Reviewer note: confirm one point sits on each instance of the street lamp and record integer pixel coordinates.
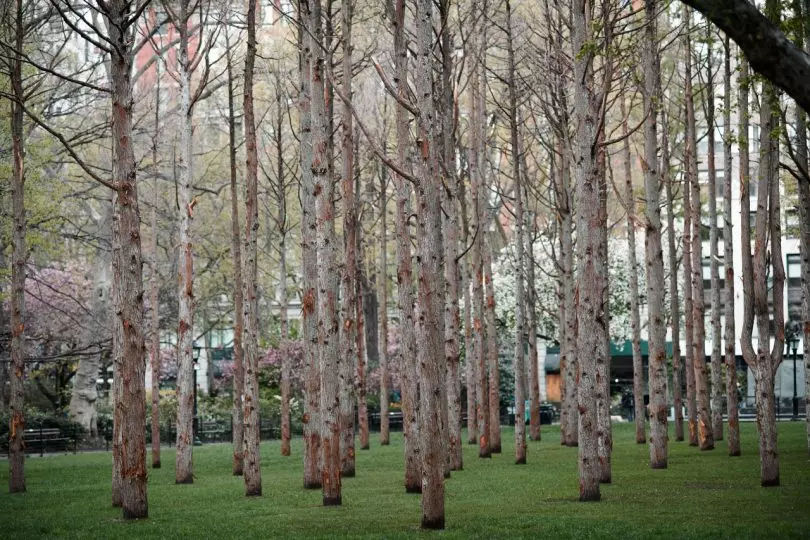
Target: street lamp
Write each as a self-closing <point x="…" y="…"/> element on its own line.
<point x="195" y="355"/>
<point x="792" y="342"/>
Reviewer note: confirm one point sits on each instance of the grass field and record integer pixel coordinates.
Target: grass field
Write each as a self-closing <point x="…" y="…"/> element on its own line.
<point x="700" y="495"/>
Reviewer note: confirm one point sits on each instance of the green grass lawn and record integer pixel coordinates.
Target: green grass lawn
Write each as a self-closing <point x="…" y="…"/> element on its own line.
<point x="701" y="495"/>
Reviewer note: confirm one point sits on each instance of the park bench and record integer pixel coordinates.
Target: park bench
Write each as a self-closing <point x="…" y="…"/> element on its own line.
<point x="47" y="440"/>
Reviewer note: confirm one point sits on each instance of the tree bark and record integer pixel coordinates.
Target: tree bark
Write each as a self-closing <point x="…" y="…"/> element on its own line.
<point x="714" y="269"/>
<point x="237" y="413"/>
<point x="251" y="457"/>
<point x="348" y="369"/>
<point x="405" y="287"/>
<point x="382" y="273"/>
<point x="640" y="409"/>
<point x="311" y="419"/>
<point x="19" y="255"/>
<point x="591" y="319"/>
<point x="429" y="323"/>
<point x="154" y="288"/>
<point x="653" y="250"/>
<point x="672" y="254"/>
<point x="328" y="274"/>
<point x="732" y="401"/>
<point x="478" y="200"/>
<point x="281" y="203"/>
<point x="704" y="428"/>
<point x="534" y="369"/>
<point x="450" y="230"/>
<point x="520" y="307"/>
<point x="184" y="469"/>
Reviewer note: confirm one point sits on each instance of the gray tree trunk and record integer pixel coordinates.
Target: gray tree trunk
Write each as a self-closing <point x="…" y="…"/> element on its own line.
<point x="311" y="417"/>
<point x="281" y="220"/>
<point x="653" y="250"/>
<point x="252" y="458"/>
<point x="714" y="269"/>
<point x="382" y="282"/>
<point x="429" y="323"/>
<point x="348" y="340"/>
<point x="19" y="255"/>
<point x="732" y="400"/>
<point x="592" y="321"/>
<point x="640" y="410"/>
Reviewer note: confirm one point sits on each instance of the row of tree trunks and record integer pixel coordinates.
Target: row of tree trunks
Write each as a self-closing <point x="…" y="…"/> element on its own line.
<point x="251" y="456"/>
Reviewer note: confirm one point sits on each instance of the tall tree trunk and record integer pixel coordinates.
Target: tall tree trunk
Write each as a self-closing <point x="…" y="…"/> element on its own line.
<point x="184" y="468"/>
<point x="382" y="283"/>
<point x="405" y="288"/>
<point x="520" y="223"/>
<point x="450" y="230"/>
<point x="252" y="458"/>
<point x="714" y="269"/>
<point x="328" y="274"/>
<point x="154" y="287"/>
<point x="348" y="355"/>
<point x="361" y="362"/>
<point x="429" y="323"/>
<point x="569" y="433"/>
<point x="237" y="414"/>
<point x="469" y="342"/>
<point x="675" y="307"/>
<point x="312" y="417"/>
<point x="130" y="353"/>
<point x="281" y="220"/>
<point x="654" y="256"/>
<point x="691" y="402"/>
<point x="728" y="265"/>
<point x="536" y="372"/>
<point x="639" y="411"/>
<point x="591" y="319"/>
<point x="478" y="200"/>
<point x="19" y="255"/>
<point x="704" y="428"/>
<point x="604" y="428"/>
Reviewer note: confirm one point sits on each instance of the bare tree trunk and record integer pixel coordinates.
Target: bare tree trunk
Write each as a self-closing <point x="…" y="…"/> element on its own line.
<point x="469" y="342"/>
<point x="728" y="264"/>
<point x="237" y="413"/>
<point x="450" y="230"/>
<point x="704" y="428"/>
<point x="382" y="282"/>
<point x="328" y="274"/>
<point x="281" y="198"/>
<point x="347" y="369"/>
<point x="604" y="428"/>
<point x="714" y="269"/>
<point x="639" y="411"/>
<point x="405" y="288"/>
<point x="311" y="419"/>
<point x="252" y="458"/>
<point x="520" y="224"/>
<point x="591" y="320"/>
<point x="130" y="353"/>
<point x="672" y="254"/>
<point x="429" y="324"/>
<point x="534" y="369"/>
<point x="478" y="200"/>
<point x="691" y="402"/>
<point x="154" y="287"/>
<point x="654" y="257"/>
<point x="491" y="343"/>
<point x="19" y="255"/>
<point x="362" y="361"/>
